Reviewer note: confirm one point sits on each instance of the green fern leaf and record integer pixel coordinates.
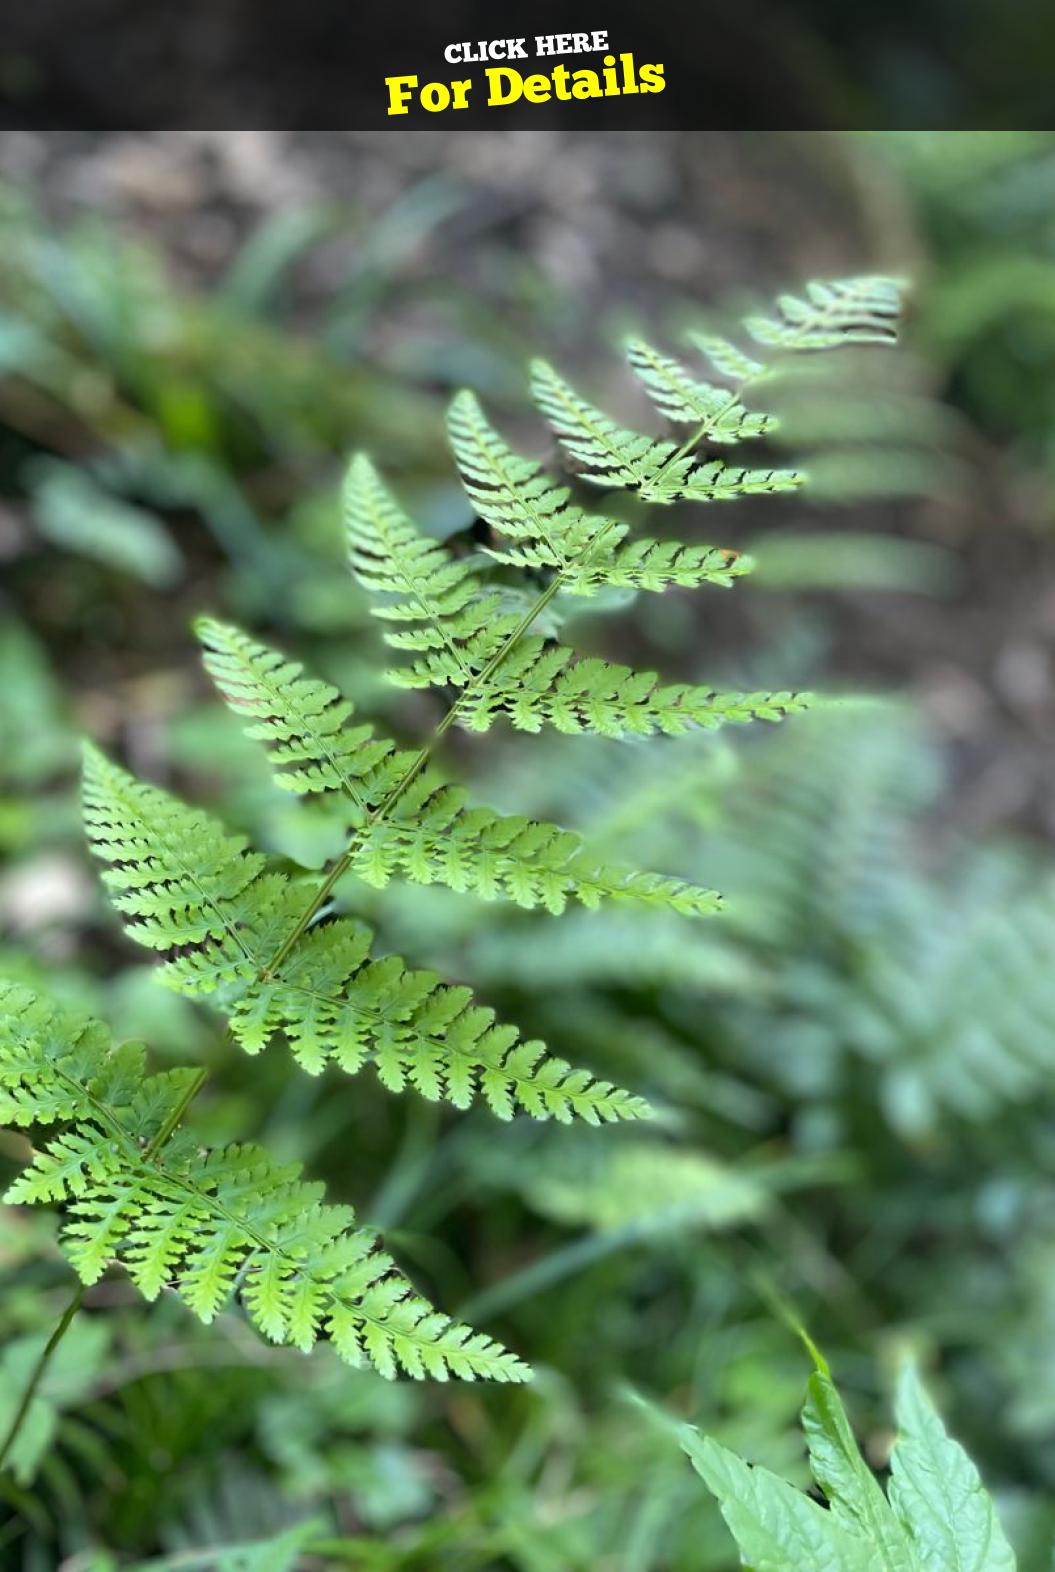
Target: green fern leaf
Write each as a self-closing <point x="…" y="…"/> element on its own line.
<point x="445" y="611"/>
<point x="215" y="1224"/>
<point x="613" y="456"/>
<point x="547" y="530"/>
<point x="658" y="564"/>
<point x="228" y="915"/>
<point x="842" y="311"/>
<point x="303" y="720"/>
<point x="431" y="834"/>
<point x="541" y="685"/>
<point x="727" y="359"/>
<point x="680" y="397"/>
<point x="534" y="683"/>
<point x="518" y="499"/>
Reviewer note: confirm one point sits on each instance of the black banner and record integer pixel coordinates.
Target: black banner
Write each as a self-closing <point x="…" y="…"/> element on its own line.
<point x="576" y="64"/>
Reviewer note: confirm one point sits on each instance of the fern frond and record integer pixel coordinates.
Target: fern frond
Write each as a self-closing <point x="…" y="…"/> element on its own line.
<point x="679" y="397"/>
<point x="614" y="456"/>
<point x="545" y="685"/>
<point x="208" y="1225"/>
<point x="303" y="721"/>
<point x="658" y="564"/>
<point x="728" y="359"/>
<point x="546" y="529"/>
<point x="432" y="833"/>
<point x="842" y="311"/>
<point x="515" y="496"/>
<point x="332" y="1001"/>
<point x="445" y="611"/>
<point x="183" y="884"/>
<point x="938" y="981"/>
<point x="533" y="683"/>
<point x="226" y="914"/>
<point x="957" y="1009"/>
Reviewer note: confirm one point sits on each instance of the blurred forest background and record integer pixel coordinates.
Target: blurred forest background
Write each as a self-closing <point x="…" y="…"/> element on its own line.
<point x="857" y="1062"/>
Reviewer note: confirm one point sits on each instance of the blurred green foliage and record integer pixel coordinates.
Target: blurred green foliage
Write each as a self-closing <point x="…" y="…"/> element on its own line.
<point x="853" y="1065"/>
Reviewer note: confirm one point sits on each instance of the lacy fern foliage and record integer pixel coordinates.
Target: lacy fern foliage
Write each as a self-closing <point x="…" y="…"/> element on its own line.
<point x="684" y="399"/>
<point x="841" y="311"/>
<point x="934" y="979"/>
<point x="542" y="527"/>
<point x="613" y="456"/>
<point x="470" y="634"/>
<point x="271" y="947"/>
<point x="484" y="651"/>
<point x="233" y="927"/>
<point x="424" y="828"/>
<point x="266" y="945"/>
<point x="206" y="1224"/>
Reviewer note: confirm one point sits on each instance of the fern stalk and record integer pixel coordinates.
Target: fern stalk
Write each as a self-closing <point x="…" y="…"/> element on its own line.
<point x="153" y="1146"/>
<point x="159" y="1140"/>
<point x="39" y="1369"/>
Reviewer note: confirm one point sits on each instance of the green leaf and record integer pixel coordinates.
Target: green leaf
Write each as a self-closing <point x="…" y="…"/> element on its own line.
<point x="841" y="311"/>
<point x="776" y="1527"/>
<point x="938" y="1517"/>
<point x="427" y="831"/>
<point x="846" y="1479"/>
<point x="216" y="1224"/>
<point x="614" y="456"/>
<point x="681" y="398"/>
<point x="938" y="1494"/>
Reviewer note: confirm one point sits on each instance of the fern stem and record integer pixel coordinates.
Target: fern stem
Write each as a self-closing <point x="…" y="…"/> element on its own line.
<point x="647" y="491"/>
<point x="157" y="1141"/>
<point x="39" y="1370"/>
<point x="149" y="1151"/>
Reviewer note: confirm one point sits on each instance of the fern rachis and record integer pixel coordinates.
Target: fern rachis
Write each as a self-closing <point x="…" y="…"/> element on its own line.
<point x="500" y="668"/>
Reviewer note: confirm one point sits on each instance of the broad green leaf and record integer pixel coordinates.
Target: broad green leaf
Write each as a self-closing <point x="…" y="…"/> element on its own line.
<point x="776" y="1527"/>
<point x="937" y="1492"/>
<point x="844" y="1476"/>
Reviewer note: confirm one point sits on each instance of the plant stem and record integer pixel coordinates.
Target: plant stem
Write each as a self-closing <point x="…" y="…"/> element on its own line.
<point x="157" y="1141"/>
<point x="38" y="1371"/>
<point x="150" y="1150"/>
<point x="548" y="1269"/>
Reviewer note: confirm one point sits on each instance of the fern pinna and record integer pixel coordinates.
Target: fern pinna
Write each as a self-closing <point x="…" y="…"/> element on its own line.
<point x="270" y="948"/>
<point x="139" y="1192"/>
